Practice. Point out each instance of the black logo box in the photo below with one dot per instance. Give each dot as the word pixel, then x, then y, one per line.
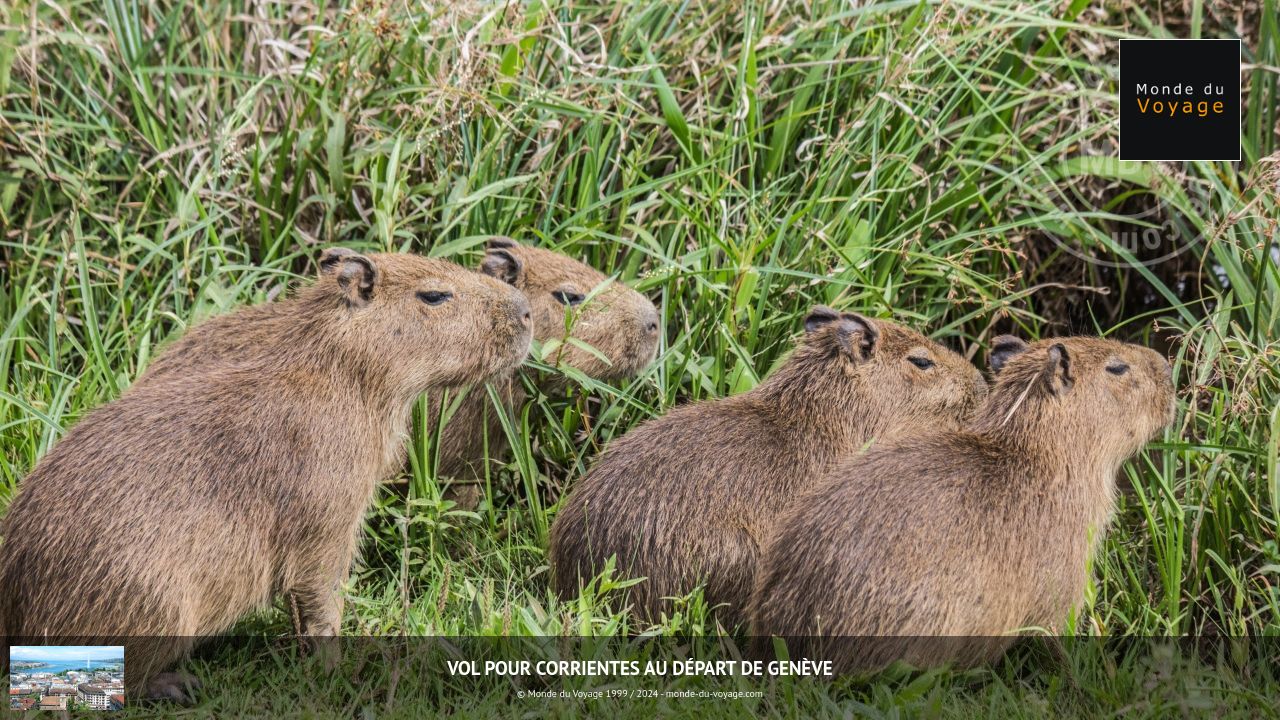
pixel 1186 65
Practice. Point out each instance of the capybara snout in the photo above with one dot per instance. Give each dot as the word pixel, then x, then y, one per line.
pixel 568 299
pixel 512 321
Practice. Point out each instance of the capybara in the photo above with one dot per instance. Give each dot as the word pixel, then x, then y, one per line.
pixel 690 497
pixel 973 533
pixel 193 499
pixel 620 325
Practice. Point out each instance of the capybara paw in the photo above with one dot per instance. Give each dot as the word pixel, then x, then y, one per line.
pixel 177 687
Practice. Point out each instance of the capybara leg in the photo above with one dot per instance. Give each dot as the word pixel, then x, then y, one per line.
pixel 320 610
pixel 178 687
pixel 730 569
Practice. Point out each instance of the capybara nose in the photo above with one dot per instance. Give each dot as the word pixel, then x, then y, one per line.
pixel 649 321
pixel 521 308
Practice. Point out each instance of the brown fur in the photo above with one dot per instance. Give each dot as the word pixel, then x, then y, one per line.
pixel 973 533
pixel 618 322
pixel 198 496
pixel 691 496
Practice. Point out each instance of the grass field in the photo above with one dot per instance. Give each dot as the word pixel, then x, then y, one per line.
pixel 941 163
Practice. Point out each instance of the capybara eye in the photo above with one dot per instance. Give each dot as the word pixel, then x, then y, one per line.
pixel 1118 368
pixel 565 297
pixel 923 363
pixel 434 297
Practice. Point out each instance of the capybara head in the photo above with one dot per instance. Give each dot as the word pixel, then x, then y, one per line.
pixel 411 315
pixel 571 300
pixel 1094 390
pixel 923 381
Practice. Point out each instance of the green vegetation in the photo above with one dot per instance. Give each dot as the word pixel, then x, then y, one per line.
pixel 738 162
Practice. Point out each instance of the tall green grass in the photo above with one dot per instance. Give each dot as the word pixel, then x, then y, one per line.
pixel 738 163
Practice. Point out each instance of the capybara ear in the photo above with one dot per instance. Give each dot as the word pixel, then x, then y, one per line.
pixel 500 241
pixel 1004 348
pixel 1057 369
pixel 819 317
pixel 356 274
pixel 859 336
pixel 500 264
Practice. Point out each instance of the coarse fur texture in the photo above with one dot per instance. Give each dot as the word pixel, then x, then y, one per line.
pixel 244 472
pixel 690 497
pixel 619 323
pixel 572 303
pixel 971 534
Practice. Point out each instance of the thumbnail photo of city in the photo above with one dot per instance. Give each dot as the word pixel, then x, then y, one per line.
pixel 66 677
